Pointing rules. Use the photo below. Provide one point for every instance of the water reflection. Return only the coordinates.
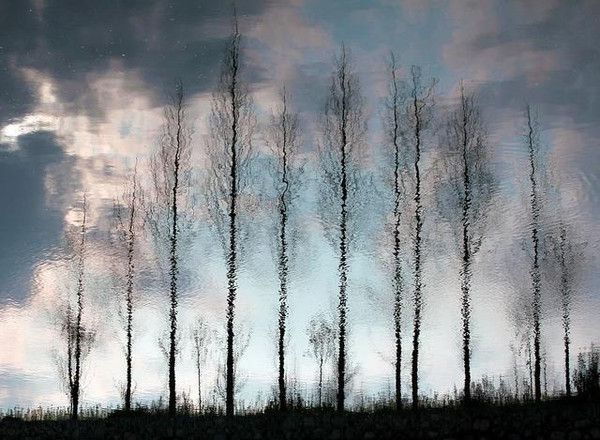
(92, 107)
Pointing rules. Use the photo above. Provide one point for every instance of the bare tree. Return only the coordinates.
(201, 338)
(284, 141)
(418, 115)
(321, 337)
(232, 123)
(392, 122)
(128, 221)
(343, 127)
(79, 338)
(466, 191)
(569, 256)
(241, 343)
(171, 172)
(520, 314)
(532, 144)
(515, 371)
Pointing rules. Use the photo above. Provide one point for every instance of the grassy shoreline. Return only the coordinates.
(573, 419)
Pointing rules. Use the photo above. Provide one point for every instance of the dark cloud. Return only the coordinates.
(69, 39)
(30, 229)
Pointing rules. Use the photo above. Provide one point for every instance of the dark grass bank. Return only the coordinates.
(570, 420)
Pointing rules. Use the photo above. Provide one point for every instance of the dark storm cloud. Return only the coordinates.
(29, 228)
(70, 39)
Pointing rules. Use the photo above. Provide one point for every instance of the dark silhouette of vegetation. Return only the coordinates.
(586, 377)
(532, 143)
(466, 187)
(127, 218)
(576, 419)
(321, 337)
(342, 127)
(285, 144)
(232, 124)
(170, 170)
(419, 108)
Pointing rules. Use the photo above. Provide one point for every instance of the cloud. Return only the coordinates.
(29, 226)
(71, 40)
(536, 51)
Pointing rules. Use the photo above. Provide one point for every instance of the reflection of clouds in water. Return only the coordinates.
(82, 103)
(159, 39)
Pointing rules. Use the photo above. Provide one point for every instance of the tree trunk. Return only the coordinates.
(343, 265)
(232, 257)
(417, 250)
(535, 269)
(320, 383)
(466, 263)
(283, 260)
(78, 320)
(566, 297)
(398, 281)
(199, 373)
(129, 290)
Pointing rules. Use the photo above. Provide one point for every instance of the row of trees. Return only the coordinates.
(465, 190)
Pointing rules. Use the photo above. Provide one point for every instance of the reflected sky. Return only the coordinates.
(82, 87)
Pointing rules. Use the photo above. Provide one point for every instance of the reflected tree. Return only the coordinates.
(232, 124)
(342, 131)
(284, 142)
(201, 339)
(394, 106)
(128, 223)
(241, 343)
(170, 206)
(465, 191)
(321, 337)
(78, 337)
(533, 144)
(568, 256)
(418, 116)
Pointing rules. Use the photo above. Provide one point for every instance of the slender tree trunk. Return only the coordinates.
(515, 372)
(418, 300)
(78, 320)
(343, 265)
(199, 373)
(466, 263)
(545, 376)
(232, 255)
(567, 343)
(398, 281)
(321, 383)
(283, 260)
(566, 312)
(530, 367)
(129, 288)
(70, 341)
(174, 271)
(535, 269)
